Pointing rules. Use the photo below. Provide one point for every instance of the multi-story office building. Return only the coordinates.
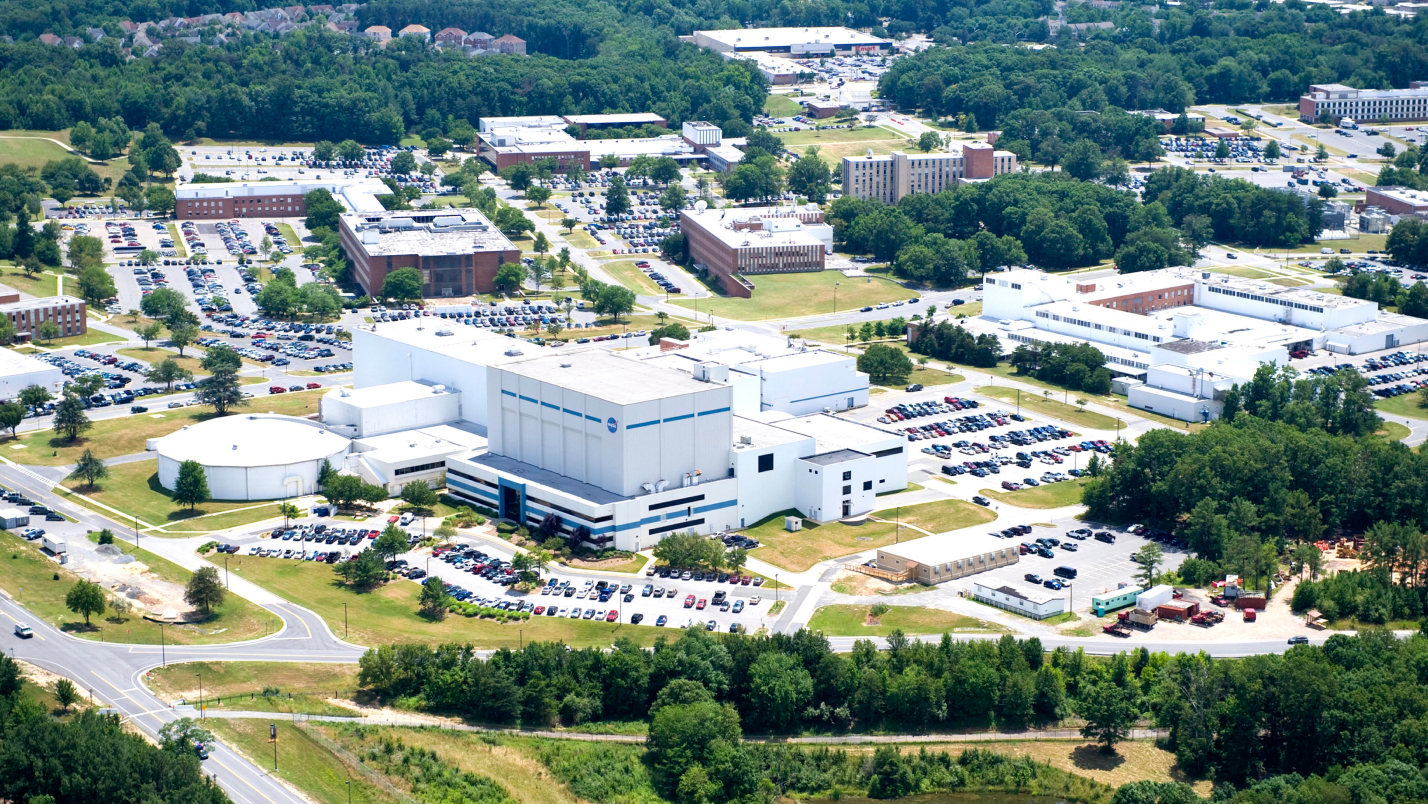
(458, 251)
(28, 315)
(732, 243)
(1338, 101)
(889, 177)
(270, 199)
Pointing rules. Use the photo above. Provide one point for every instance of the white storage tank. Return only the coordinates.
(253, 456)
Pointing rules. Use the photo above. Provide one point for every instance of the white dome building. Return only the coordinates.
(253, 456)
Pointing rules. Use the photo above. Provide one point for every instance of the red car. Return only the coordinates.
(313, 385)
(277, 389)
(612, 616)
(539, 610)
(700, 605)
(689, 602)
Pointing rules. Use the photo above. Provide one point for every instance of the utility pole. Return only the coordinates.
(202, 715)
(163, 650)
(344, 620)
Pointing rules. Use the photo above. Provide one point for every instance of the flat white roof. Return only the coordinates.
(666, 145)
(408, 445)
(831, 433)
(720, 223)
(466, 344)
(605, 375)
(754, 38)
(1034, 595)
(12, 363)
(762, 434)
(246, 189)
(395, 393)
(448, 232)
(249, 440)
(943, 548)
(528, 121)
(620, 119)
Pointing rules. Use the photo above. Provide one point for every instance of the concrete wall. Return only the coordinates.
(822, 489)
(408, 414)
(763, 494)
(382, 360)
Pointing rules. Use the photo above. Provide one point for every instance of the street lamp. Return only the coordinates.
(201, 715)
(835, 296)
(344, 620)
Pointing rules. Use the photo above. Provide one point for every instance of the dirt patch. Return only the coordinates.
(847, 582)
(39, 676)
(127, 577)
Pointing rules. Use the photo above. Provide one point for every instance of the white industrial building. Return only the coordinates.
(396, 459)
(18, 372)
(1182, 337)
(390, 408)
(252, 456)
(935, 559)
(625, 451)
(767, 372)
(1019, 598)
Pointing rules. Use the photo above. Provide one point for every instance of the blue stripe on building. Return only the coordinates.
(574, 413)
(469, 487)
(548, 405)
(590, 418)
(679, 418)
(527, 399)
(716, 506)
(508, 393)
(712, 412)
(642, 424)
(835, 393)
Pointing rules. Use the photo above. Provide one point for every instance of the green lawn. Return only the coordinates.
(798, 140)
(241, 686)
(154, 354)
(793, 295)
(937, 517)
(925, 375)
(27, 575)
(1404, 405)
(1036, 403)
(42, 284)
(93, 337)
(1393, 431)
(579, 239)
(134, 489)
(1047, 495)
(850, 620)
(815, 543)
(625, 272)
(303, 760)
(127, 435)
(29, 149)
(389, 613)
(1242, 271)
(782, 106)
(178, 240)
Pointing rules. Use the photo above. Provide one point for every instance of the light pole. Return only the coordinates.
(201, 715)
(225, 570)
(835, 296)
(163, 649)
(344, 620)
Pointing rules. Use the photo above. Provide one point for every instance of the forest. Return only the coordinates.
(1261, 726)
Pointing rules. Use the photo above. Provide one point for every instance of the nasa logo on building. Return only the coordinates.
(612, 424)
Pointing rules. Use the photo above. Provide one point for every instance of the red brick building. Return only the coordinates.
(735, 245)
(458, 251)
(27, 315)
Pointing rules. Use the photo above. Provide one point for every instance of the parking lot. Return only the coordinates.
(475, 573)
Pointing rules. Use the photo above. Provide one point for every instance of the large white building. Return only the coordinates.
(767, 372)
(889, 177)
(18, 372)
(1184, 336)
(796, 42)
(252, 456)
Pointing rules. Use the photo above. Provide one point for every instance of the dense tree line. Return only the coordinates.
(953, 343)
(89, 757)
(1077, 366)
(1050, 219)
(1234, 209)
(1234, 53)
(320, 85)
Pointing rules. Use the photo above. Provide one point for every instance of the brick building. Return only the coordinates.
(268, 199)
(67, 312)
(890, 177)
(458, 251)
(733, 244)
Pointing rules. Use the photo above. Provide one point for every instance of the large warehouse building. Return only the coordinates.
(796, 42)
(732, 244)
(1182, 337)
(18, 372)
(252, 456)
(506, 141)
(458, 251)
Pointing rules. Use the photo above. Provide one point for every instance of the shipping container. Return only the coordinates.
(1151, 598)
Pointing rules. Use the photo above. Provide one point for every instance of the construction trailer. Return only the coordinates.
(1154, 596)
(1107, 602)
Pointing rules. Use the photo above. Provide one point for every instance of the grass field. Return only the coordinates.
(1047, 495)
(509, 762)
(1404, 405)
(93, 337)
(27, 575)
(625, 272)
(815, 543)
(134, 489)
(1070, 414)
(849, 619)
(928, 376)
(154, 354)
(42, 284)
(792, 295)
(1243, 271)
(389, 613)
(240, 686)
(1134, 760)
(579, 239)
(1393, 431)
(798, 140)
(31, 149)
(127, 435)
(938, 517)
(782, 106)
(303, 761)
